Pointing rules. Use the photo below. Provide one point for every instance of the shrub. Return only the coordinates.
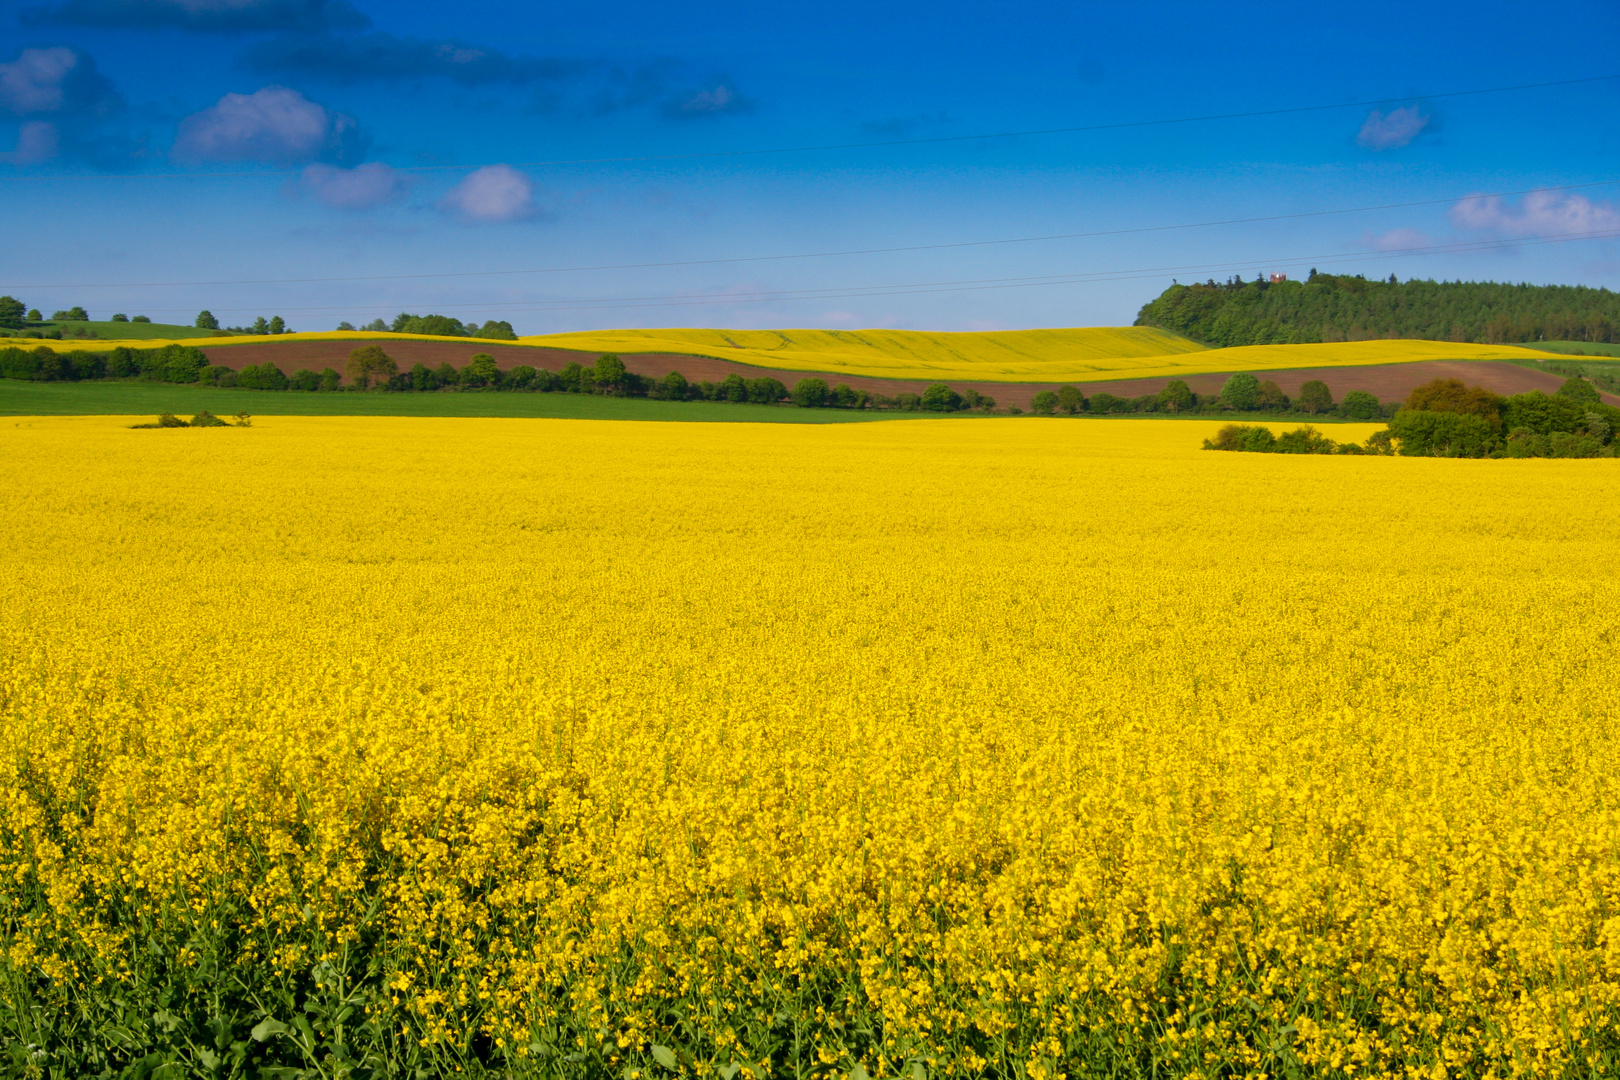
(120, 317)
(1252, 438)
(842, 397)
(941, 398)
(265, 376)
(1105, 403)
(1272, 397)
(368, 364)
(330, 380)
(1177, 396)
(1315, 397)
(1044, 403)
(1070, 399)
(1242, 391)
(908, 402)
(1359, 405)
(1305, 440)
(206, 320)
(482, 370)
(207, 419)
(449, 376)
(1427, 433)
(72, 314)
(140, 318)
(520, 378)
(810, 393)
(733, 388)
(1452, 396)
(766, 391)
(497, 331)
(305, 379)
(1579, 391)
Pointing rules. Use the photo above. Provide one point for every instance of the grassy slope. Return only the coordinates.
(1589, 348)
(119, 398)
(113, 333)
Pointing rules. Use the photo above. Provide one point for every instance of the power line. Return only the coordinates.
(981, 284)
(1078, 129)
(817, 254)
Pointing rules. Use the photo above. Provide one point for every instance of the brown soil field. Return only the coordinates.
(1386, 381)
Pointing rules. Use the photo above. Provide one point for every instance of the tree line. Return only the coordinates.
(440, 325)
(1446, 418)
(1243, 392)
(371, 368)
(1334, 307)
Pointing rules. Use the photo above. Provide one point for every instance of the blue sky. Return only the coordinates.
(152, 152)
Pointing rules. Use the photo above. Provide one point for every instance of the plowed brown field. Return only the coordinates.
(1387, 381)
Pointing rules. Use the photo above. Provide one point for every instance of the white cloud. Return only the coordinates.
(33, 83)
(360, 188)
(1538, 213)
(493, 193)
(1392, 131)
(36, 142)
(716, 100)
(274, 124)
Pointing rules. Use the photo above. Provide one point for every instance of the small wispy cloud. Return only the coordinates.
(719, 98)
(1399, 240)
(1392, 130)
(363, 187)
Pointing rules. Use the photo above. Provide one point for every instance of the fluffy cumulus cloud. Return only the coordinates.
(1392, 130)
(492, 194)
(360, 188)
(216, 15)
(719, 98)
(382, 57)
(37, 141)
(274, 124)
(56, 80)
(1540, 213)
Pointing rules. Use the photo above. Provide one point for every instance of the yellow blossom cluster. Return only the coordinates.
(982, 747)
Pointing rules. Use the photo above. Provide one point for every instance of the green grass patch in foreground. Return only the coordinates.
(146, 398)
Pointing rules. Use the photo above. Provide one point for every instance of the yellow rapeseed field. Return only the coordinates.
(1070, 354)
(1012, 747)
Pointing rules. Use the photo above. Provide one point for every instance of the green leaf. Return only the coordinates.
(858, 1072)
(268, 1027)
(209, 1059)
(729, 1071)
(664, 1056)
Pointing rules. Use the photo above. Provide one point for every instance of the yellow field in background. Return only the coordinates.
(999, 747)
(1075, 355)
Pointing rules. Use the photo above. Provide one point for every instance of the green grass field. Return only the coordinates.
(116, 331)
(144, 398)
(1588, 348)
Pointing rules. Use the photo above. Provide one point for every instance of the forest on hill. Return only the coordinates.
(1332, 307)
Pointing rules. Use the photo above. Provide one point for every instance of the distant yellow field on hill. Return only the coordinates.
(1072, 354)
(1079, 354)
(1001, 355)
